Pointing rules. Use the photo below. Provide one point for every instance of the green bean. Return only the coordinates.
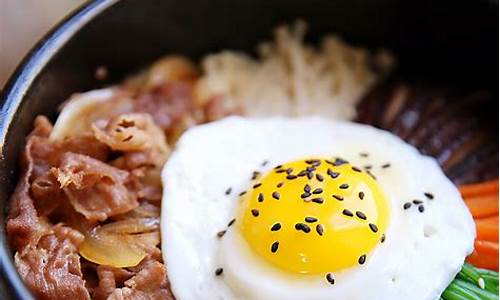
(482, 294)
(454, 292)
(486, 272)
(471, 273)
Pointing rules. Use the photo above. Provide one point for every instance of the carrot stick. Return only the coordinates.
(483, 261)
(482, 188)
(487, 229)
(486, 247)
(483, 206)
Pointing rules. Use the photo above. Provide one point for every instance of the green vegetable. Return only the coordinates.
(473, 284)
(453, 292)
(471, 274)
(482, 294)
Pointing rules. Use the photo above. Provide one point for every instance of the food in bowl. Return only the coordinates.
(85, 217)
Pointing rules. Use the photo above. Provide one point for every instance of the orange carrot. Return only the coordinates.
(487, 229)
(483, 261)
(481, 188)
(483, 206)
(486, 247)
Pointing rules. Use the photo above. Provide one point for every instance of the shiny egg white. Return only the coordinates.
(420, 256)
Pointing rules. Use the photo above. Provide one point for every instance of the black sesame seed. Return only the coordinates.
(303, 227)
(318, 200)
(255, 212)
(255, 174)
(278, 167)
(307, 188)
(305, 195)
(371, 175)
(320, 229)
(347, 212)
(290, 177)
(332, 174)
(356, 169)
(417, 202)
(329, 162)
(319, 177)
(317, 191)
(289, 171)
(429, 196)
(385, 166)
(344, 186)
(368, 167)
(363, 154)
(264, 163)
(406, 205)
(361, 215)
(382, 238)
(339, 162)
(221, 233)
(310, 219)
(310, 169)
(330, 278)
(218, 271)
(276, 227)
(280, 171)
(242, 193)
(361, 195)
(274, 247)
(276, 195)
(279, 185)
(312, 161)
(338, 197)
(362, 259)
(231, 222)
(310, 175)
(373, 227)
(260, 198)
(421, 208)
(257, 185)
(228, 191)
(316, 163)
(302, 173)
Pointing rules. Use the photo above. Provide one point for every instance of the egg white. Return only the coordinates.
(420, 256)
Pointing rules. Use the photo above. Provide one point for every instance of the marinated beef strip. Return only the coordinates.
(46, 255)
(94, 188)
(448, 125)
(96, 183)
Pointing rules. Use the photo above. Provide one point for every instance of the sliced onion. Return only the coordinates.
(130, 226)
(121, 244)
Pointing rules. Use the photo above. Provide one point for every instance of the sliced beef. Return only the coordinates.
(51, 267)
(95, 189)
(150, 283)
(109, 279)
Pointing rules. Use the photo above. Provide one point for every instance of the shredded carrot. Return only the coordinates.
(482, 188)
(487, 229)
(484, 261)
(483, 206)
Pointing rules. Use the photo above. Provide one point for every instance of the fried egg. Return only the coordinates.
(308, 209)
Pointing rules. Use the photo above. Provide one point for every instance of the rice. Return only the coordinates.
(291, 78)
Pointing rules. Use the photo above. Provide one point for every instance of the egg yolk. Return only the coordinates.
(314, 216)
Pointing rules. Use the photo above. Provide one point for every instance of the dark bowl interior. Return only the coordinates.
(445, 42)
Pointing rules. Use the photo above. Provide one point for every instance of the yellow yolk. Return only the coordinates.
(314, 221)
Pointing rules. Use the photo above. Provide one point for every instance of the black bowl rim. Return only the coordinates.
(13, 95)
